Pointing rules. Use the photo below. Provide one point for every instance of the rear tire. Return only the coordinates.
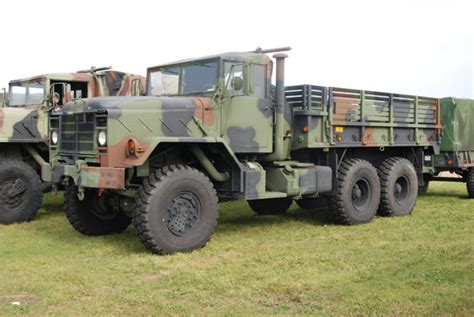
(312, 203)
(470, 182)
(176, 210)
(93, 216)
(399, 187)
(272, 206)
(358, 192)
(20, 192)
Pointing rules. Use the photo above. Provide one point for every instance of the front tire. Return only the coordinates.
(470, 182)
(358, 192)
(399, 187)
(93, 216)
(272, 206)
(176, 210)
(20, 192)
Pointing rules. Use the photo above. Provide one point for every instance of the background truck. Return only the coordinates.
(24, 130)
(2, 97)
(457, 144)
(215, 127)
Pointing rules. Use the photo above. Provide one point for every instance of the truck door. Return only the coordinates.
(248, 123)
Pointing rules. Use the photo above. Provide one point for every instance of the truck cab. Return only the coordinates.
(24, 131)
(229, 86)
(30, 99)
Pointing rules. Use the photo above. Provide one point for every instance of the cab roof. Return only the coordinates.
(245, 57)
(78, 76)
(54, 76)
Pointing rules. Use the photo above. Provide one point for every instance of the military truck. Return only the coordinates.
(457, 144)
(215, 128)
(24, 130)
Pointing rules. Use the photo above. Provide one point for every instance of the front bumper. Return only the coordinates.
(85, 176)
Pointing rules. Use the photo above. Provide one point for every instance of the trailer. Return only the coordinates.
(215, 128)
(457, 144)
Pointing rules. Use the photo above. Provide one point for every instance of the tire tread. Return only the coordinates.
(336, 203)
(384, 175)
(470, 182)
(151, 185)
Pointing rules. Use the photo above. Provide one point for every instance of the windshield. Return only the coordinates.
(198, 77)
(26, 93)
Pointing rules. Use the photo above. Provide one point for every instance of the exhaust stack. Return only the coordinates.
(281, 142)
(280, 81)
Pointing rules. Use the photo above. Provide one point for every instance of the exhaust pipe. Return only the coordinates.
(280, 81)
(280, 151)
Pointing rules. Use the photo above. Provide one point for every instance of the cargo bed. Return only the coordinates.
(340, 117)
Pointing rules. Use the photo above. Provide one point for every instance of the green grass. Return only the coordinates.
(299, 263)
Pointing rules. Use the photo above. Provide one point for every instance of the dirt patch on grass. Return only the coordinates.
(23, 299)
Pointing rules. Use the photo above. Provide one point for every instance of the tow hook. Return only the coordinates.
(79, 165)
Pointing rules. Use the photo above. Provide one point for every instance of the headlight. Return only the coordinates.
(102, 138)
(54, 137)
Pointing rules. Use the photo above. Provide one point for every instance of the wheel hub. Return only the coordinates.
(356, 192)
(401, 189)
(12, 193)
(398, 189)
(361, 194)
(184, 213)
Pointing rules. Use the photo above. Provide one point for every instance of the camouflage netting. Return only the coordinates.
(457, 116)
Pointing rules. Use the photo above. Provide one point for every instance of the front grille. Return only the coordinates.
(77, 132)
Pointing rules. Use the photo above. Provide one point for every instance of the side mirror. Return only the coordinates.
(237, 83)
(55, 99)
(59, 94)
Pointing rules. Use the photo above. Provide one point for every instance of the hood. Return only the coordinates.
(133, 103)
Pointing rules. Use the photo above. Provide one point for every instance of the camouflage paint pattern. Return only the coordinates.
(28, 123)
(244, 123)
(149, 121)
(340, 117)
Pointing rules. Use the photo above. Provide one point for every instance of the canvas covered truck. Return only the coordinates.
(24, 130)
(457, 144)
(215, 128)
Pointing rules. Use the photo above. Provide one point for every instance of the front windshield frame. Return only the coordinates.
(177, 88)
(28, 93)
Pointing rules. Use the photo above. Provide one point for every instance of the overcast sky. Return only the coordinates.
(416, 47)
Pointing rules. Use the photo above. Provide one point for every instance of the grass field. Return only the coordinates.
(299, 263)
